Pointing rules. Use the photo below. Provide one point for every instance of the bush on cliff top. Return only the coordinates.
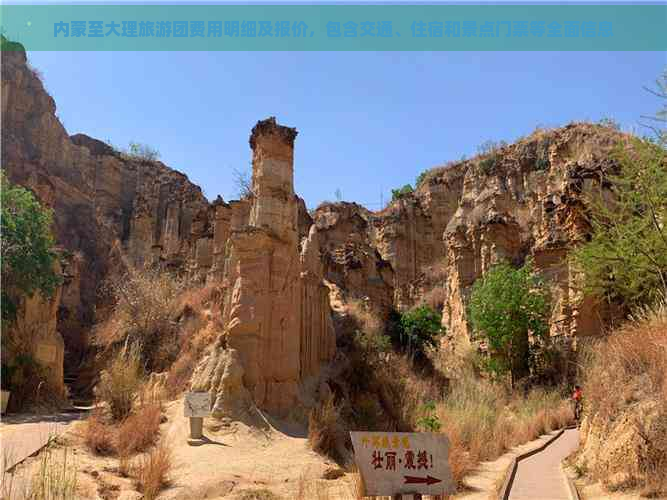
(397, 194)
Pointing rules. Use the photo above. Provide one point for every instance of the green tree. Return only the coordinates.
(506, 305)
(400, 193)
(28, 255)
(658, 122)
(417, 329)
(626, 259)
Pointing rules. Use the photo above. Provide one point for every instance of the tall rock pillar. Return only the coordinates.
(275, 308)
(274, 207)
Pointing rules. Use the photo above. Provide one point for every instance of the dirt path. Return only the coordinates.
(22, 435)
(540, 476)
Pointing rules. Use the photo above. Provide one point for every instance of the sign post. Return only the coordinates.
(403, 463)
(197, 405)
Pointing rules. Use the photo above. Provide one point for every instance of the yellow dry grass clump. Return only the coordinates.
(626, 383)
(152, 471)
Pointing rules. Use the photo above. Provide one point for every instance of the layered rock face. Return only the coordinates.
(275, 264)
(524, 200)
(107, 206)
(350, 258)
(113, 209)
(529, 203)
(276, 309)
(34, 332)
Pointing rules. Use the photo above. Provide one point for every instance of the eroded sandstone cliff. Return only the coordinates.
(276, 264)
(522, 200)
(106, 204)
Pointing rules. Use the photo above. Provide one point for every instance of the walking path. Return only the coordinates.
(540, 475)
(24, 435)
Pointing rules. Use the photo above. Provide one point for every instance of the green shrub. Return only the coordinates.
(488, 147)
(402, 192)
(609, 123)
(144, 152)
(429, 421)
(415, 330)
(487, 165)
(420, 178)
(626, 259)
(542, 155)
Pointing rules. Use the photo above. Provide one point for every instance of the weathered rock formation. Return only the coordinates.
(275, 264)
(33, 333)
(275, 309)
(350, 258)
(529, 203)
(524, 200)
(106, 204)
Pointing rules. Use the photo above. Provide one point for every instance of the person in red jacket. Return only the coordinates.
(577, 398)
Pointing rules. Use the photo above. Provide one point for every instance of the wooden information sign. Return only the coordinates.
(393, 463)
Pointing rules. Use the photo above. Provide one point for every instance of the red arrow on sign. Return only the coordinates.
(420, 480)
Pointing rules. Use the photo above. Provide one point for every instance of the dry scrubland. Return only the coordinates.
(625, 429)
(389, 391)
(381, 389)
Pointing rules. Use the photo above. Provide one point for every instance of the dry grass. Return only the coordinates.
(152, 470)
(99, 436)
(626, 372)
(139, 431)
(325, 433)
(201, 322)
(385, 388)
(146, 303)
(121, 381)
(637, 350)
(364, 318)
(258, 494)
(56, 478)
(385, 391)
(483, 421)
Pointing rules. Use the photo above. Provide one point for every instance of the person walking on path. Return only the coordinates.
(577, 398)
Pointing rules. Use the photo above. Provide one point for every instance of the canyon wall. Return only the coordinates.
(107, 206)
(515, 202)
(113, 209)
(276, 264)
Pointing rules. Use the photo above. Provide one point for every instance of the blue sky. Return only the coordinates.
(367, 122)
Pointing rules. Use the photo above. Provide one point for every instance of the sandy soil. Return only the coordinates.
(258, 455)
(265, 454)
